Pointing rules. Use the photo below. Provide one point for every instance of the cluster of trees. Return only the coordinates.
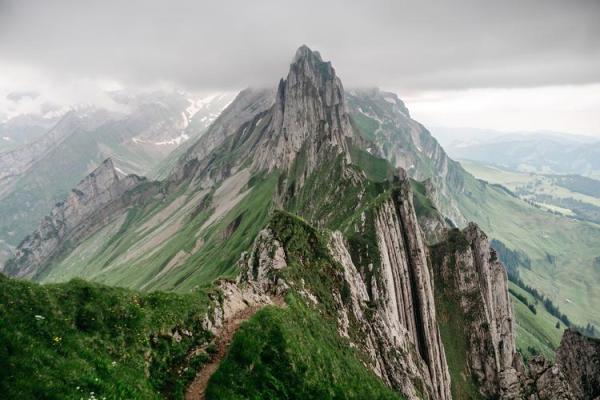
(511, 259)
(590, 330)
(548, 304)
(523, 299)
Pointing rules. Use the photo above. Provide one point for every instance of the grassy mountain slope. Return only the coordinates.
(136, 142)
(179, 242)
(293, 353)
(80, 340)
(536, 331)
(570, 195)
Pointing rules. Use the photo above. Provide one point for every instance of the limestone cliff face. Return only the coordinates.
(386, 310)
(87, 204)
(305, 122)
(309, 111)
(470, 277)
(404, 285)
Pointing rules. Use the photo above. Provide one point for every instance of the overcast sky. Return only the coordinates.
(494, 64)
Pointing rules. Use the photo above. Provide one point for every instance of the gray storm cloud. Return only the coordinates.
(231, 44)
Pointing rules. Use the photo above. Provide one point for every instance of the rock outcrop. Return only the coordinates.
(471, 278)
(404, 285)
(309, 112)
(578, 357)
(235, 118)
(544, 381)
(92, 201)
(388, 310)
(575, 375)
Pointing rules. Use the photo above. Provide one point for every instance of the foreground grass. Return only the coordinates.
(293, 353)
(83, 340)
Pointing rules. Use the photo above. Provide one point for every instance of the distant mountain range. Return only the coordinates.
(50, 154)
(541, 152)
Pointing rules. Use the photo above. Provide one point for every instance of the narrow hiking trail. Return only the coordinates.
(197, 389)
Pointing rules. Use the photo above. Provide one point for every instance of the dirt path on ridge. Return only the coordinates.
(197, 389)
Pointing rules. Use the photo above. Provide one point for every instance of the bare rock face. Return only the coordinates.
(470, 275)
(392, 310)
(405, 288)
(578, 358)
(545, 381)
(575, 375)
(392, 352)
(260, 265)
(233, 298)
(243, 109)
(70, 218)
(309, 112)
(306, 118)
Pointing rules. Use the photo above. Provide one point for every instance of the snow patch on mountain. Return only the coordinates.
(174, 141)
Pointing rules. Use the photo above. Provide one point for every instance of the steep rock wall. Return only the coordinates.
(578, 357)
(309, 111)
(470, 277)
(388, 314)
(405, 288)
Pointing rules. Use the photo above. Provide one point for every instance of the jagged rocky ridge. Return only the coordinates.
(392, 349)
(90, 203)
(385, 122)
(575, 374)
(474, 304)
(381, 287)
(140, 132)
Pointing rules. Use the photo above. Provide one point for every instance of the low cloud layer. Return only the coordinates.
(219, 45)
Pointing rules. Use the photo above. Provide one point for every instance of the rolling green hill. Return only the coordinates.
(570, 195)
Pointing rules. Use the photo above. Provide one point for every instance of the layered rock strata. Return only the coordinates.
(470, 275)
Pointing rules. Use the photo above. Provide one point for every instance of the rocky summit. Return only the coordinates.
(304, 264)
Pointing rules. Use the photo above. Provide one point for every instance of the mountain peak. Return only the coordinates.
(309, 108)
(305, 53)
(309, 65)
